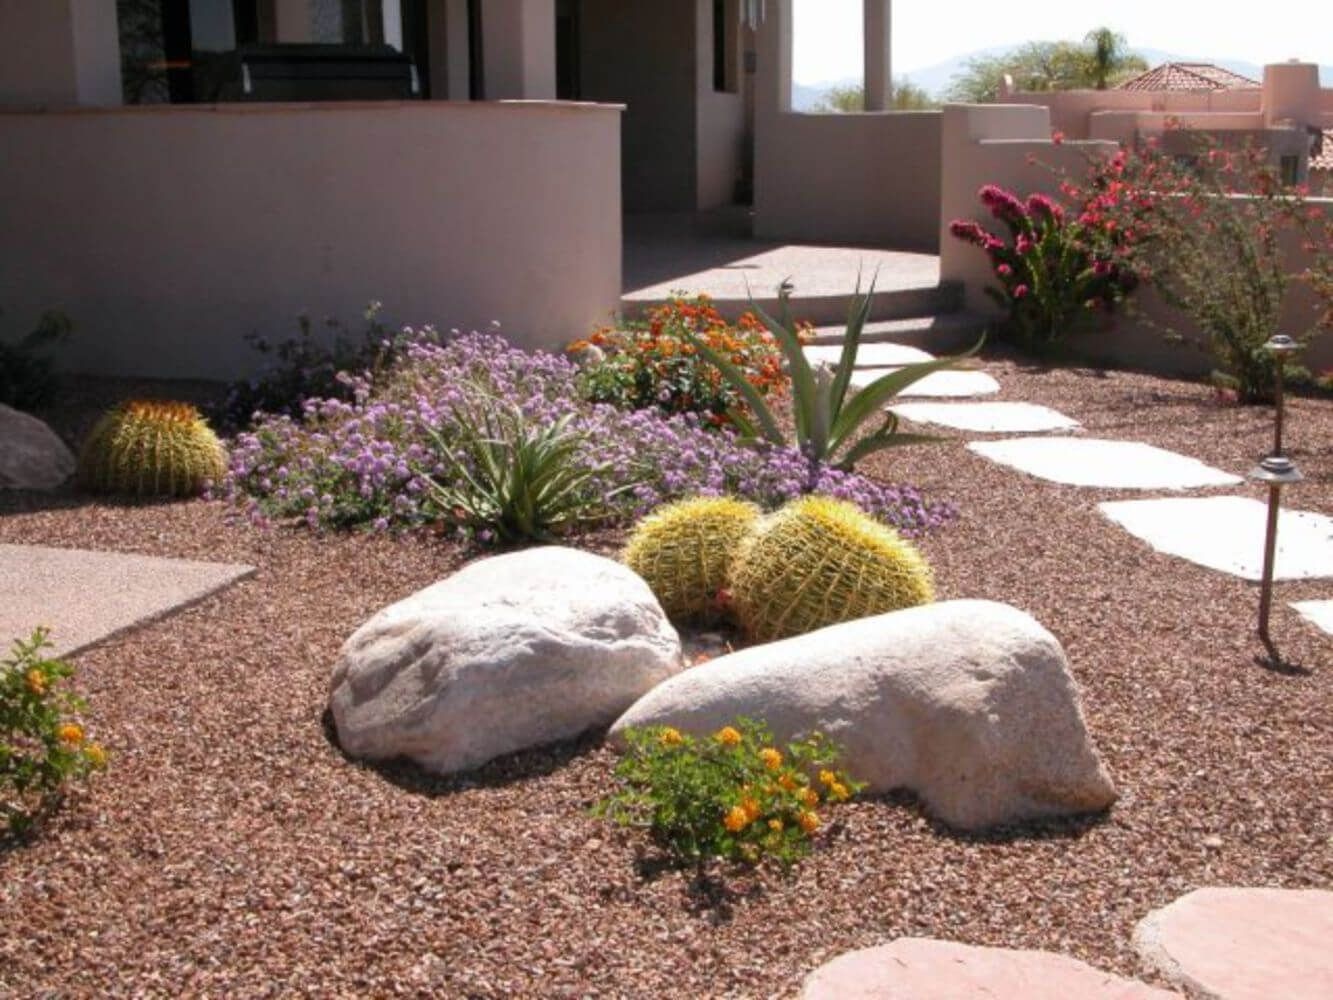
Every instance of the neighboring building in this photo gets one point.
(1188, 77)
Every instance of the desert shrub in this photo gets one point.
(655, 363)
(365, 461)
(43, 748)
(147, 448)
(831, 425)
(28, 378)
(818, 562)
(1055, 273)
(1208, 230)
(685, 550)
(734, 795)
(307, 367)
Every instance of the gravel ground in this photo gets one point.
(232, 850)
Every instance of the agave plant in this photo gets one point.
(513, 477)
(827, 420)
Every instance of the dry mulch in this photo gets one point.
(232, 850)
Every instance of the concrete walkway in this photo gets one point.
(84, 597)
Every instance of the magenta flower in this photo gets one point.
(1003, 204)
(1004, 270)
(1041, 206)
(1024, 245)
(1021, 291)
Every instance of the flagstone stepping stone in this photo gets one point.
(1227, 534)
(1101, 463)
(927, 969)
(945, 384)
(84, 597)
(1318, 613)
(881, 355)
(987, 418)
(1243, 944)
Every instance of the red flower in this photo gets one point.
(1021, 291)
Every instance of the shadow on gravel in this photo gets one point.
(1061, 828)
(1273, 661)
(522, 766)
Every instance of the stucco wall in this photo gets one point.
(59, 52)
(169, 233)
(643, 55)
(850, 178)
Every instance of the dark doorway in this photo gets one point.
(567, 50)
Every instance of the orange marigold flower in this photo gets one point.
(96, 755)
(751, 809)
(736, 819)
(772, 759)
(809, 821)
(787, 782)
(671, 737)
(728, 736)
(36, 681)
(810, 797)
(70, 733)
(577, 345)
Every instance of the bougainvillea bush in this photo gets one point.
(654, 363)
(368, 460)
(1214, 230)
(1055, 270)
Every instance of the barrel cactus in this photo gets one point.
(685, 550)
(146, 448)
(819, 561)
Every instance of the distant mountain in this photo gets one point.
(936, 79)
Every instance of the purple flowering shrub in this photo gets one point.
(1054, 272)
(367, 460)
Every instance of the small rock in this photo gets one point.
(32, 457)
(1213, 843)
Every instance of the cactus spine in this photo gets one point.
(145, 448)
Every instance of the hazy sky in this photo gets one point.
(925, 32)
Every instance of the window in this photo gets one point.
(726, 46)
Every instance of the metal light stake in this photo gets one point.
(1277, 471)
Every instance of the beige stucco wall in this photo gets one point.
(59, 52)
(870, 178)
(518, 57)
(169, 233)
(719, 121)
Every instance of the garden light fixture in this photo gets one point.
(1277, 471)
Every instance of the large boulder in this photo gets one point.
(32, 457)
(970, 704)
(511, 652)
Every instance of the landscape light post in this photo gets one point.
(1277, 471)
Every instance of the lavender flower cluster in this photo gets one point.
(363, 461)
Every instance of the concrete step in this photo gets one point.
(828, 309)
(940, 334)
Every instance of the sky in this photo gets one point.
(827, 34)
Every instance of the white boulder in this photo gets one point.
(511, 652)
(969, 704)
(32, 457)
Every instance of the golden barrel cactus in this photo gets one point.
(819, 561)
(146, 448)
(685, 549)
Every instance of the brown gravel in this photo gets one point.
(232, 851)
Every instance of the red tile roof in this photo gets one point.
(1188, 76)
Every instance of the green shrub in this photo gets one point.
(508, 477)
(685, 549)
(147, 448)
(818, 562)
(42, 747)
(733, 795)
(27, 373)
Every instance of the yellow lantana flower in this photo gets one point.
(772, 759)
(96, 755)
(775, 825)
(728, 736)
(827, 777)
(737, 819)
(36, 681)
(751, 809)
(809, 821)
(71, 733)
(810, 797)
(671, 737)
(838, 792)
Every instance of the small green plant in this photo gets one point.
(147, 448)
(828, 423)
(818, 562)
(510, 478)
(734, 795)
(684, 551)
(27, 373)
(42, 746)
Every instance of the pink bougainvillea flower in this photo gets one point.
(1021, 291)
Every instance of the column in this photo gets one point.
(518, 46)
(879, 57)
(59, 52)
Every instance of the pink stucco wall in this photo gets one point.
(169, 233)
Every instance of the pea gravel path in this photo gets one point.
(232, 851)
